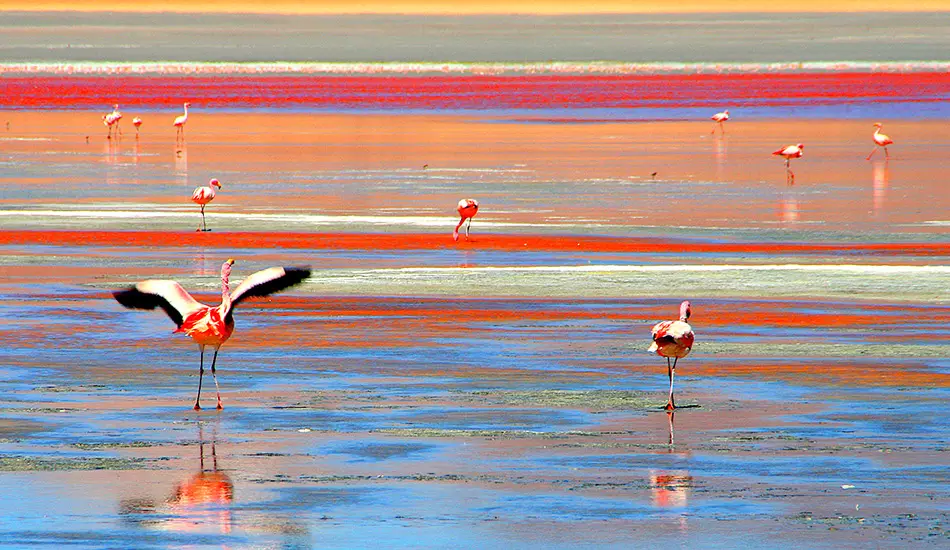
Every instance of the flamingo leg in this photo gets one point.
(217, 390)
(201, 373)
(872, 153)
(669, 416)
(468, 227)
(455, 234)
(886, 154)
(671, 405)
(203, 225)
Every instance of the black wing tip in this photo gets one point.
(297, 274)
(127, 297)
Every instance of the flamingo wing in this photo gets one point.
(168, 295)
(268, 281)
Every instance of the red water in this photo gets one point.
(474, 92)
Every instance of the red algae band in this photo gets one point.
(429, 241)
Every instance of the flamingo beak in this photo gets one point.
(230, 261)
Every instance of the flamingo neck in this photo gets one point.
(225, 285)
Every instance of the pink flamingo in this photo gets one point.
(112, 119)
(467, 208)
(117, 116)
(208, 326)
(136, 122)
(880, 140)
(790, 152)
(180, 125)
(720, 118)
(202, 196)
(673, 339)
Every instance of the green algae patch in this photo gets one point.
(37, 464)
(489, 434)
(602, 400)
(111, 445)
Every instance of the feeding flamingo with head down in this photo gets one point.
(208, 326)
(202, 196)
(673, 339)
(137, 121)
(880, 140)
(467, 208)
(720, 118)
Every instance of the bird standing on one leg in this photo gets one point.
(202, 196)
(208, 326)
(880, 140)
(673, 339)
(720, 118)
(467, 208)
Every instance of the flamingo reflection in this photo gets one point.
(200, 503)
(671, 488)
(790, 209)
(882, 179)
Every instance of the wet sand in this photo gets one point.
(490, 392)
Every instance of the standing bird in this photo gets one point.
(720, 118)
(790, 152)
(467, 208)
(117, 116)
(180, 125)
(137, 121)
(673, 339)
(202, 196)
(880, 140)
(208, 326)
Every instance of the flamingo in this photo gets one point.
(208, 326)
(117, 116)
(108, 122)
(790, 152)
(202, 196)
(467, 208)
(180, 124)
(720, 118)
(880, 140)
(673, 339)
(137, 121)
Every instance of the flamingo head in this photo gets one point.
(226, 269)
(685, 311)
(116, 106)
(726, 111)
(878, 125)
(187, 104)
(216, 183)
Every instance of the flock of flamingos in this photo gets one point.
(212, 326)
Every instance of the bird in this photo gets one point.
(208, 326)
(880, 140)
(673, 339)
(112, 119)
(790, 152)
(137, 121)
(467, 208)
(180, 124)
(720, 118)
(116, 117)
(202, 196)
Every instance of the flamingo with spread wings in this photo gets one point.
(207, 325)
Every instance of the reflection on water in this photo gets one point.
(790, 209)
(882, 178)
(199, 503)
(720, 149)
(671, 488)
(181, 165)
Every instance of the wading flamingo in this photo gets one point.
(467, 208)
(180, 125)
(720, 118)
(208, 326)
(880, 140)
(202, 196)
(117, 116)
(790, 152)
(673, 339)
(137, 121)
